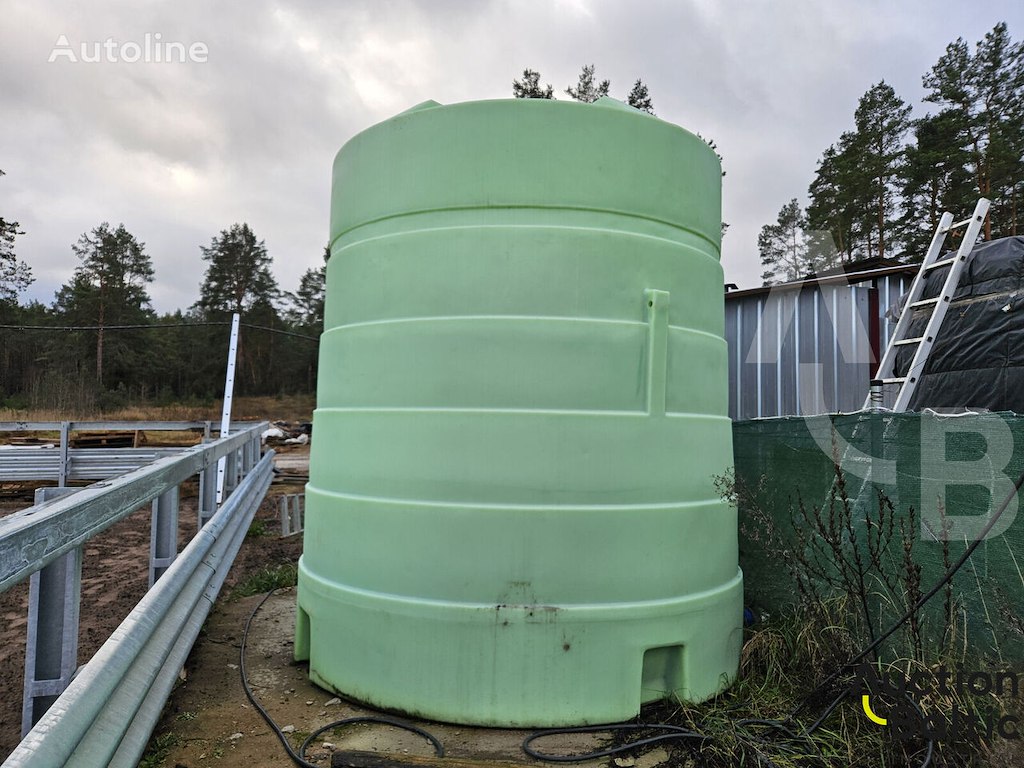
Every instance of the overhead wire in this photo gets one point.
(149, 326)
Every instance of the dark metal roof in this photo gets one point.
(828, 278)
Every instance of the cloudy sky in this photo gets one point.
(179, 151)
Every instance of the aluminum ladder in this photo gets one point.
(939, 305)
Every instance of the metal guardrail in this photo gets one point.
(35, 537)
(106, 426)
(22, 463)
(63, 463)
(108, 710)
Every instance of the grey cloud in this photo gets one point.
(179, 152)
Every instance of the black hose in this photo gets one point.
(435, 742)
(299, 758)
(675, 733)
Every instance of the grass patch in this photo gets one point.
(159, 748)
(781, 663)
(266, 579)
(853, 570)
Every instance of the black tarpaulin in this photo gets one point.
(978, 357)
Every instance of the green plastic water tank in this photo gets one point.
(511, 517)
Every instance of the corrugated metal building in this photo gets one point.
(810, 346)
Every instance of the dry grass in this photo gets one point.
(290, 408)
(783, 661)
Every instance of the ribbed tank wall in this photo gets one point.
(511, 517)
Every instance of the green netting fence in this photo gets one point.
(951, 470)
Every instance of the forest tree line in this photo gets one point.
(881, 188)
(101, 345)
(878, 191)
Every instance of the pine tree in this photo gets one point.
(15, 276)
(109, 288)
(238, 279)
(855, 192)
(882, 119)
(833, 197)
(307, 303)
(306, 315)
(238, 275)
(986, 92)
(529, 87)
(783, 247)
(24, 363)
(935, 179)
(586, 89)
(640, 98)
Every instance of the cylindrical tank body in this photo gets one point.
(511, 517)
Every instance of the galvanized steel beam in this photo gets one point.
(32, 538)
(163, 538)
(51, 633)
(291, 509)
(107, 426)
(107, 713)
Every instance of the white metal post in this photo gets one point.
(229, 387)
(64, 469)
